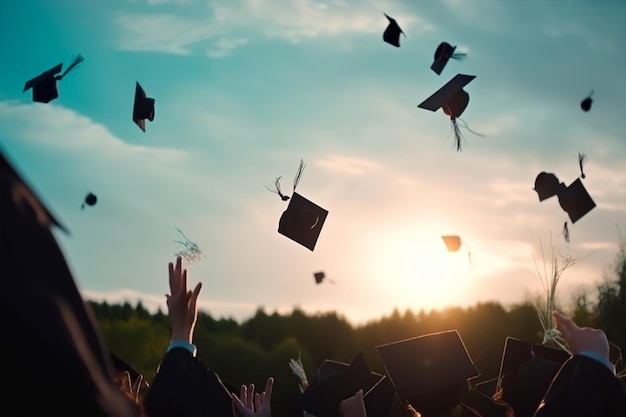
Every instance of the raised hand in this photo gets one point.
(353, 406)
(181, 303)
(581, 339)
(251, 404)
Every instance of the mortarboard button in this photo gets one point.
(392, 32)
(526, 372)
(443, 53)
(45, 85)
(429, 372)
(302, 221)
(547, 185)
(334, 382)
(143, 108)
(576, 201)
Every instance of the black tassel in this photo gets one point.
(75, 61)
(582, 158)
(566, 232)
(276, 189)
(459, 55)
(299, 174)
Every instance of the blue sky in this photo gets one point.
(246, 88)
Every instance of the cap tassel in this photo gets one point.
(299, 174)
(75, 61)
(457, 131)
(459, 56)
(582, 158)
(276, 189)
(566, 232)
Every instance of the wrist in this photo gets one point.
(184, 345)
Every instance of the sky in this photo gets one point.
(245, 89)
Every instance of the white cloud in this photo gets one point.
(237, 22)
(348, 165)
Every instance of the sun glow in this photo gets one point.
(419, 272)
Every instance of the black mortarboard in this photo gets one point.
(55, 316)
(334, 382)
(45, 84)
(392, 32)
(379, 399)
(451, 96)
(586, 103)
(302, 221)
(526, 371)
(123, 366)
(443, 53)
(453, 243)
(547, 185)
(429, 372)
(319, 277)
(576, 201)
(90, 200)
(143, 108)
(487, 388)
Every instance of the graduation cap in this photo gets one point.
(586, 103)
(302, 221)
(443, 53)
(90, 200)
(453, 242)
(55, 316)
(526, 371)
(454, 100)
(379, 399)
(576, 201)
(334, 382)
(547, 185)
(143, 108)
(429, 372)
(45, 84)
(391, 35)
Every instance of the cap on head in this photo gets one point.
(391, 35)
(443, 53)
(334, 382)
(547, 185)
(430, 372)
(576, 201)
(302, 221)
(45, 85)
(451, 97)
(143, 108)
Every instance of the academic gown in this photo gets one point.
(184, 386)
(584, 387)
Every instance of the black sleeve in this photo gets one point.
(583, 387)
(185, 387)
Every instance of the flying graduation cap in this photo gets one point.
(586, 103)
(143, 108)
(302, 221)
(453, 244)
(391, 35)
(454, 100)
(573, 199)
(90, 200)
(443, 53)
(45, 84)
(320, 277)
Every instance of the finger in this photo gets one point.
(564, 324)
(193, 299)
(258, 401)
(250, 397)
(172, 280)
(268, 387)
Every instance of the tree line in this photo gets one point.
(262, 345)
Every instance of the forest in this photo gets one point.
(253, 350)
